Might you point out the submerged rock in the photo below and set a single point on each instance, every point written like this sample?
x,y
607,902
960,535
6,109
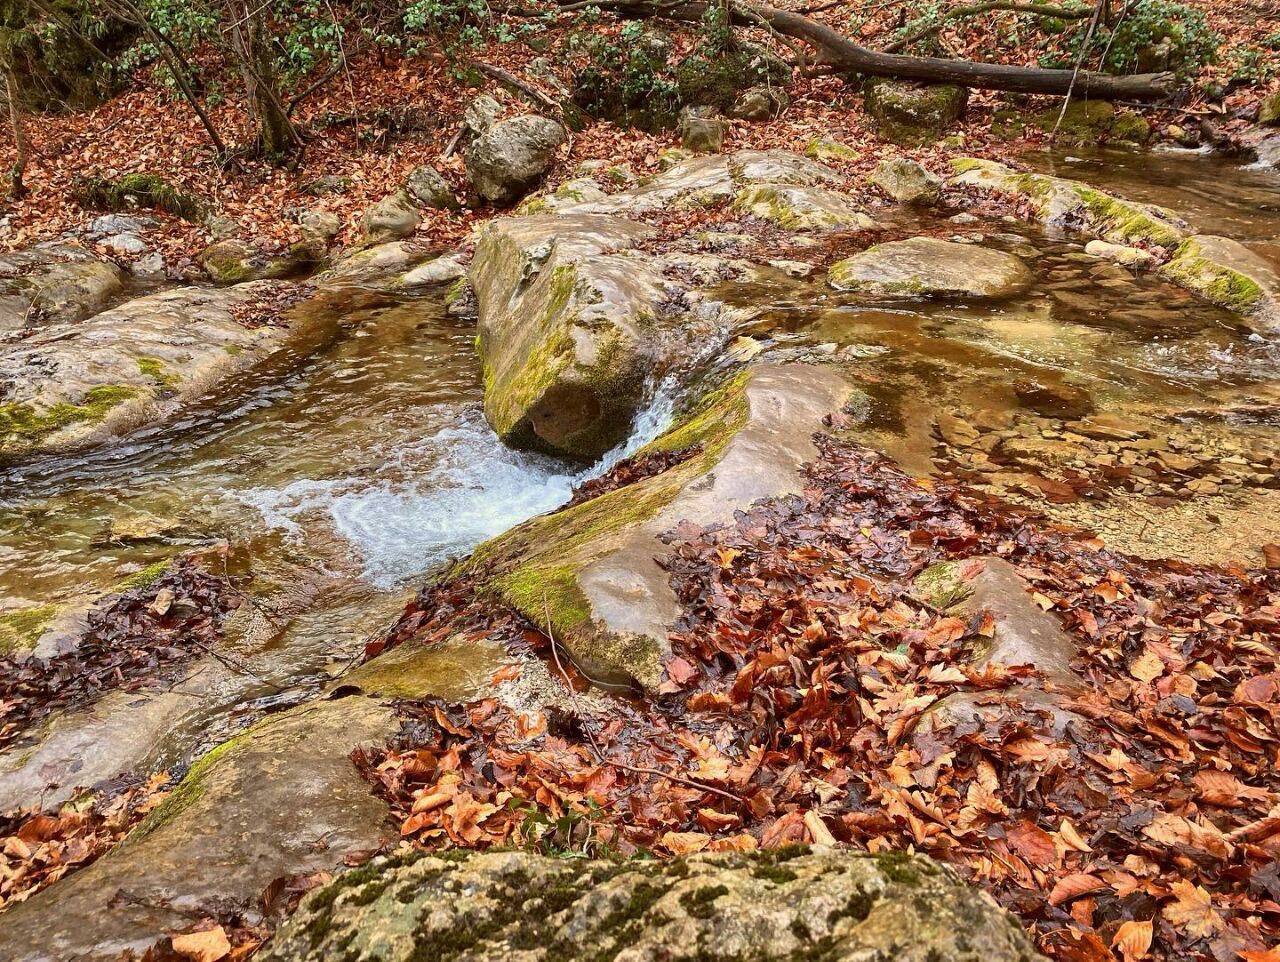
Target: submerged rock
x,y
511,157
779,905
1133,257
928,267
914,114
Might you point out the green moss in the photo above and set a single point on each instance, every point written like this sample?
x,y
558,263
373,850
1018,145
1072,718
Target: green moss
x,y
22,422
531,588
1117,219
142,579
188,791
235,350
1218,283
700,903
541,558
962,165
456,291
154,368
941,585
141,190
20,630
902,868
826,149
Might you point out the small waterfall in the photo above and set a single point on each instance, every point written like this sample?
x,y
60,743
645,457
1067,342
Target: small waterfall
x,y
442,495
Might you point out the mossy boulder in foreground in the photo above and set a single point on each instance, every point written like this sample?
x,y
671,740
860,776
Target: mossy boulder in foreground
x,y
787,904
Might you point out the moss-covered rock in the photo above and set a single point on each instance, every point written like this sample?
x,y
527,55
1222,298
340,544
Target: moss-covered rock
x,y
823,903
800,208
234,261
827,150
928,267
590,569
21,629
913,114
1071,203
906,181
1217,268
1227,273
280,799
138,190
568,334
717,80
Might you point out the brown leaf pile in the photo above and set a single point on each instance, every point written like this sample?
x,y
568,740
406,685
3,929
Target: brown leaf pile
x,y
38,848
1149,828
130,637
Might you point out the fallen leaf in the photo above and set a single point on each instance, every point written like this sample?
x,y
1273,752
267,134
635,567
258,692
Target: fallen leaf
x,y
208,945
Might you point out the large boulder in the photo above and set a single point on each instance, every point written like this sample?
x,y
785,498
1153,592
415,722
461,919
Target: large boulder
x,y
392,218
760,103
1269,110
511,157
913,114
928,267
906,181
771,906
281,799
52,284
567,332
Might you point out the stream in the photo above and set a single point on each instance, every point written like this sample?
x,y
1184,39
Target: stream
x,y
1111,401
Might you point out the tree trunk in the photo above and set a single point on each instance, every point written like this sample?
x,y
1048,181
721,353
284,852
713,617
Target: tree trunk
x,y
21,149
275,132
839,52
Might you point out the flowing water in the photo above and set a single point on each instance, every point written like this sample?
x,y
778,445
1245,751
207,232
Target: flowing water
x,y
1103,399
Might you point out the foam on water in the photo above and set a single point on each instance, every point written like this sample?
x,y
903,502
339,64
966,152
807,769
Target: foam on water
x,y
438,497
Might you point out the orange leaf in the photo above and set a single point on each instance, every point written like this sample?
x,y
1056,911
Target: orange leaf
x,y
1133,940
1073,886
685,843
207,946
1193,912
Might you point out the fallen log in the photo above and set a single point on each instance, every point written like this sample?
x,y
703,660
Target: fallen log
x,y
841,54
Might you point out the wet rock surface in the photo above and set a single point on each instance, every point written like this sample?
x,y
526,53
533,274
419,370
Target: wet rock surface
x,y
53,284
928,267
771,905
280,799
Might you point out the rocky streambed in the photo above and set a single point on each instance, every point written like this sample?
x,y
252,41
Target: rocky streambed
x,y
675,349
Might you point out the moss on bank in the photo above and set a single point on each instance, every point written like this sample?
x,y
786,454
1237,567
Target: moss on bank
x,y
137,190
25,424
20,630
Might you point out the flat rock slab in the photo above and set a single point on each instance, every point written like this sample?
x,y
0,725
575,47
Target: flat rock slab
x,y
928,267
771,905
281,799
54,284
1024,634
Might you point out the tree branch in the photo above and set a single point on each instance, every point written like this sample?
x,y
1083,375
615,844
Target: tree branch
x,y
977,9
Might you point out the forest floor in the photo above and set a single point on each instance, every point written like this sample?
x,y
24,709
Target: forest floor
x,y
386,114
